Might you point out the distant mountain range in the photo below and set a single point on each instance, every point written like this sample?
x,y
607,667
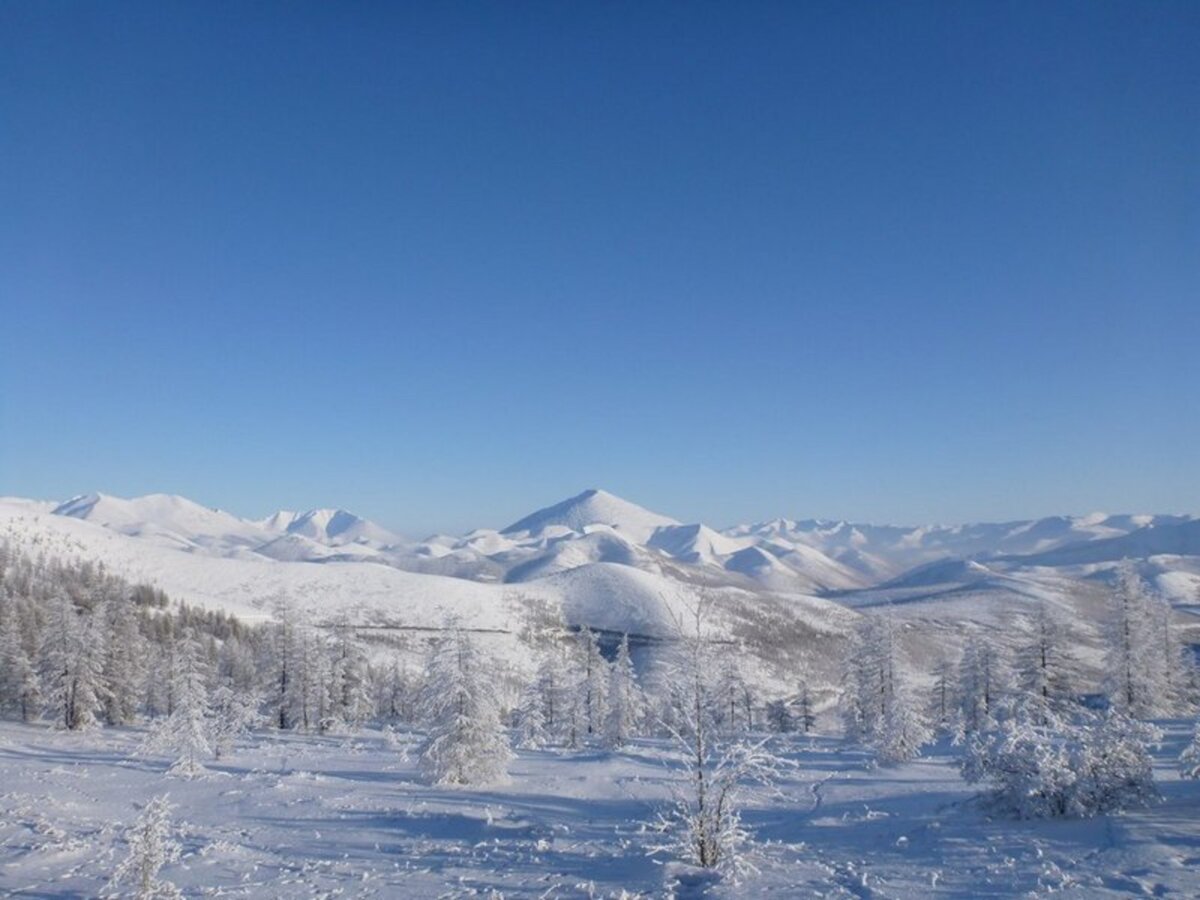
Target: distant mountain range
x,y
599,560
802,556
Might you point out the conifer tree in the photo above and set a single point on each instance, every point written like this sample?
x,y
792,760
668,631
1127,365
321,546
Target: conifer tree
x,y
72,653
150,848
1044,667
626,702
184,734
467,742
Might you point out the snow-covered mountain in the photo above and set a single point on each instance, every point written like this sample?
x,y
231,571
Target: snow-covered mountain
x,y
782,555
593,507
881,552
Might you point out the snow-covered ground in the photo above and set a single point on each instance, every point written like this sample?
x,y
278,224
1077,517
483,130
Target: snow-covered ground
x,y
290,815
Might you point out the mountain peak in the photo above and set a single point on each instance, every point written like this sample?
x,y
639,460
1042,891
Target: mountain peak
x,y
595,507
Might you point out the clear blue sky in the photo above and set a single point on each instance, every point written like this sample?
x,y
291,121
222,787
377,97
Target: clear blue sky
x,y
443,263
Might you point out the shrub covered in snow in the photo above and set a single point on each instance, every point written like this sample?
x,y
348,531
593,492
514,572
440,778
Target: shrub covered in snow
x,y
1064,769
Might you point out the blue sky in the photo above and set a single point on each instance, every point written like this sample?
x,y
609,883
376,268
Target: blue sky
x,y
443,263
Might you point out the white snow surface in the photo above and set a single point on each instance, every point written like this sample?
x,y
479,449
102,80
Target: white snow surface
x,y
288,815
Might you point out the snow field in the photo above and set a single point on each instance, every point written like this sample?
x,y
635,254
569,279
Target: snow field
x,y
292,815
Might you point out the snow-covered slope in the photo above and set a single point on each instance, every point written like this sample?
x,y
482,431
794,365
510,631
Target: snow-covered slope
x,y
168,520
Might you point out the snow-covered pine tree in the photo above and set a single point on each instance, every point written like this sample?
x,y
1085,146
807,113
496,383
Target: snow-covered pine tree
x,y
593,683
626,701
319,684
397,691
780,718
20,690
233,712
943,706
984,685
1175,663
351,689
184,734
735,711
1044,666
805,712
150,848
284,691
1135,680
467,742
529,720
879,708
557,683
1189,759
72,655
124,651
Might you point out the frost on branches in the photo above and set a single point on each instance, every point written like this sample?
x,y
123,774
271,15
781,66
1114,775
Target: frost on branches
x,y
703,825
1189,759
467,742
150,848
1093,766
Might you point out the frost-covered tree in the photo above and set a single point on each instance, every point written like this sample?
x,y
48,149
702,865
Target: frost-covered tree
x,y
557,685
72,656
467,742
805,710
593,683
1088,767
984,685
350,689
20,689
150,848
184,734
1136,680
1175,666
233,712
735,710
396,693
529,721
943,708
1189,759
626,702
878,706
703,825
780,718
1044,666
122,662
